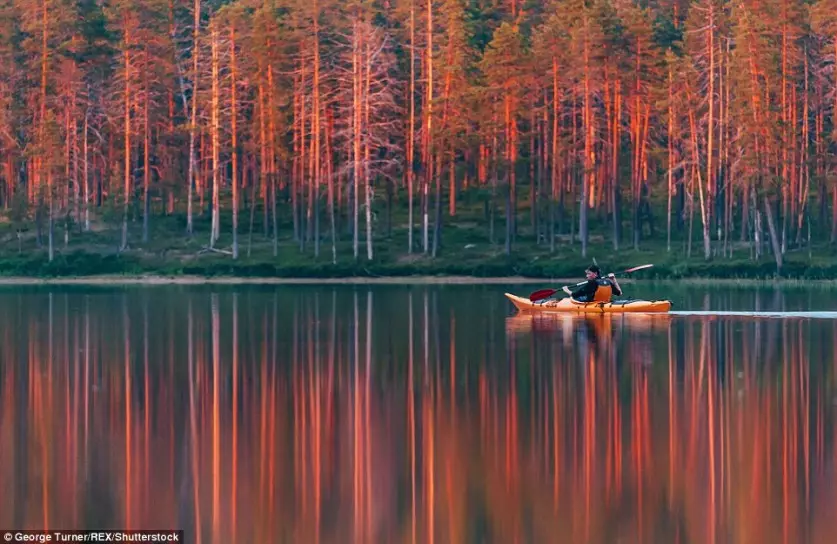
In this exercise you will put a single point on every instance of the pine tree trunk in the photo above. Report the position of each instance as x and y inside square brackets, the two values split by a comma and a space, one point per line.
[330, 177]
[670, 158]
[193, 122]
[356, 134]
[302, 151]
[411, 130]
[51, 215]
[263, 166]
[85, 145]
[556, 156]
[429, 147]
[146, 169]
[588, 149]
[272, 177]
[774, 239]
[234, 143]
[366, 154]
[216, 144]
[316, 153]
[804, 171]
[127, 141]
[710, 130]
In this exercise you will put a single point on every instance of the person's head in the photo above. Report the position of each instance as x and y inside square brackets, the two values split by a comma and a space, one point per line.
[593, 272]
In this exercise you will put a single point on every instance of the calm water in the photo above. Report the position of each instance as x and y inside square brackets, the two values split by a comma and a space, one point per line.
[426, 414]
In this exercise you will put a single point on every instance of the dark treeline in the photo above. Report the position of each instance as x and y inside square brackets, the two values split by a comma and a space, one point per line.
[555, 114]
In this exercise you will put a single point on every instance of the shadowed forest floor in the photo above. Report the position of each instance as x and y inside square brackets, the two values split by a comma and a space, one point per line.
[466, 249]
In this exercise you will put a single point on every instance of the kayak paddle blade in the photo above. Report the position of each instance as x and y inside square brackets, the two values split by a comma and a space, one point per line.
[640, 267]
[542, 294]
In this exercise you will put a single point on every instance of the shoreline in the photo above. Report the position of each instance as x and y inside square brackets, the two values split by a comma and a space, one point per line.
[161, 279]
[153, 279]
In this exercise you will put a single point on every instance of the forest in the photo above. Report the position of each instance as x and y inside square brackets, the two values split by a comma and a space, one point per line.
[334, 127]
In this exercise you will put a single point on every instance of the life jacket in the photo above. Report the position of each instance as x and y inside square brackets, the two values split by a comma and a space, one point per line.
[604, 292]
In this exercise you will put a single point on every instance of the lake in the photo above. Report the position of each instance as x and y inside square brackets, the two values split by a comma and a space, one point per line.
[418, 414]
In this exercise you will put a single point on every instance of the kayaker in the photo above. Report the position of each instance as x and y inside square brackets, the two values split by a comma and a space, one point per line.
[596, 288]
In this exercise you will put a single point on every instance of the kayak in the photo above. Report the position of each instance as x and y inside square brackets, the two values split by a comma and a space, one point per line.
[570, 305]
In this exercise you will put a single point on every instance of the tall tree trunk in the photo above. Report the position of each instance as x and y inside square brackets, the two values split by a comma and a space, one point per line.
[86, 165]
[834, 137]
[614, 167]
[146, 167]
[76, 183]
[316, 153]
[127, 138]
[670, 154]
[533, 130]
[43, 99]
[411, 129]
[51, 225]
[263, 166]
[272, 177]
[429, 147]
[302, 150]
[589, 175]
[366, 158]
[234, 143]
[696, 172]
[774, 237]
[556, 158]
[804, 170]
[356, 131]
[330, 177]
[194, 118]
[216, 144]
[710, 125]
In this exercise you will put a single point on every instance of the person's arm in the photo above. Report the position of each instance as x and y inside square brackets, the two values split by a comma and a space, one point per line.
[587, 288]
[616, 289]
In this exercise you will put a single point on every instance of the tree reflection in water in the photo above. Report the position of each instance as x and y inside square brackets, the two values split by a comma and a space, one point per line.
[401, 416]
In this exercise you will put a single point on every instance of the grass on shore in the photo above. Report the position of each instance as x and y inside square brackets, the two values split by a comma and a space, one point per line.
[465, 251]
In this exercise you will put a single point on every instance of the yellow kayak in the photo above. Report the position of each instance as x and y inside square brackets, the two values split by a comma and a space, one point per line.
[570, 305]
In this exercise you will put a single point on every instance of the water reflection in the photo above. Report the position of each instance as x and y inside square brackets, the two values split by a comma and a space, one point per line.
[407, 416]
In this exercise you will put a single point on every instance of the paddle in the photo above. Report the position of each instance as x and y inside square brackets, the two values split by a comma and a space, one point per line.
[546, 293]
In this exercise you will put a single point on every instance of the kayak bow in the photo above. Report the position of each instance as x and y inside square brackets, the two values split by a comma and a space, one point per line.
[570, 305]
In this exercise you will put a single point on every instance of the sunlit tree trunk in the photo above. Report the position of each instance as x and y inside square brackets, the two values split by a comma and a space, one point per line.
[127, 134]
[556, 158]
[216, 144]
[356, 131]
[194, 117]
[234, 143]
[86, 166]
[670, 144]
[366, 163]
[146, 167]
[428, 124]
[302, 155]
[263, 166]
[696, 172]
[588, 178]
[271, 116]
[316, 152]
[330, 176]
[411, 129]
[804, 170]
[710, 128]
[834, 137]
